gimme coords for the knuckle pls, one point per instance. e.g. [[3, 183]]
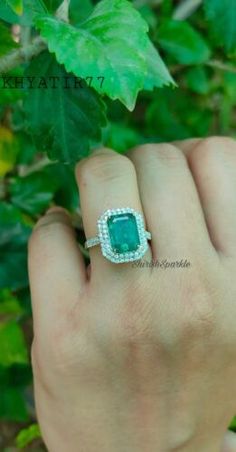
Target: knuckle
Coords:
[[34, 353], [170, 154], [37, 360], [212, 148], [143, 150], [105, 167], [218, 141], [52, 351], [45, 230], [164, 152], [41, 368]]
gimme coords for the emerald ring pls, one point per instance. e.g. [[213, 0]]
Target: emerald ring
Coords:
[[121, 235]]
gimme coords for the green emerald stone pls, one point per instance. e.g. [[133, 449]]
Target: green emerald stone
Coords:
[[123, 232]]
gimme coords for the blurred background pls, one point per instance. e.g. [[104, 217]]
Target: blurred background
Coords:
[[197, 41]]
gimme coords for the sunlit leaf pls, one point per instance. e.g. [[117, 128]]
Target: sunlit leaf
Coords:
[[27, 435], [112, 43]]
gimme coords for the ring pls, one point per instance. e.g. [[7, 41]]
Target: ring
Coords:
[[121, 234]]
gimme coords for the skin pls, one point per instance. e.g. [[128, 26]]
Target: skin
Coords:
[[130, 359]]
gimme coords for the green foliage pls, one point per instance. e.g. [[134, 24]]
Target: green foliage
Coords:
[[27, 435], [14, 234], [13, 348], [68, 112], [12, 405], [104, 47], [233, 424], [7, 14], [183, 43], [9, 304], [32, 193], [133, 47], [222, 18], [197, 80], [16, 6], [52, 5], [79, 11]]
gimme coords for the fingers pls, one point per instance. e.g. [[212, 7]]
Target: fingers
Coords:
[[106, 180], [187, 145], [170, 201], [229, 443], [213, 165], [56, 268]]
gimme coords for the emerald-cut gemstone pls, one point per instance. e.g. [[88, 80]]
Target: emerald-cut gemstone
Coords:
[[123, 232]]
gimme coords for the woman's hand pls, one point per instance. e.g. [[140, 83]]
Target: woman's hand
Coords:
[[138, 359]]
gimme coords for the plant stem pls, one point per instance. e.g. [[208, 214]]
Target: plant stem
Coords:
[[63, 11], [186, 9], [17, 57], [40, 164], [222, 66], [215, 64]]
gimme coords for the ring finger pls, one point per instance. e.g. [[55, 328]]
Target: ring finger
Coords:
[[106, 180]]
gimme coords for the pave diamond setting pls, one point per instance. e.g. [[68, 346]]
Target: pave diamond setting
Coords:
[[122, 235]]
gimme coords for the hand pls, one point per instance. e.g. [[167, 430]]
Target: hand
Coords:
[[131, 359]]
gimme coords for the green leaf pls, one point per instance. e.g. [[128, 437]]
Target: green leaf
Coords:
[[221, 15], [157, 73], [79, 11], [36, 7], [173, 115], [27, 435], [197, 80], [14, 234], [233, 424], [62, 120], [12, 405], [32, 193], [16, 6], [182, 42], [9, 304], [8, 95], [13, 347], [31, 9], [52, 5], [103, 46], [17, 375], [120, 137], [148, 14], [6, 42], [66, 194], [7, 14], [27, 149], [229, 86]]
